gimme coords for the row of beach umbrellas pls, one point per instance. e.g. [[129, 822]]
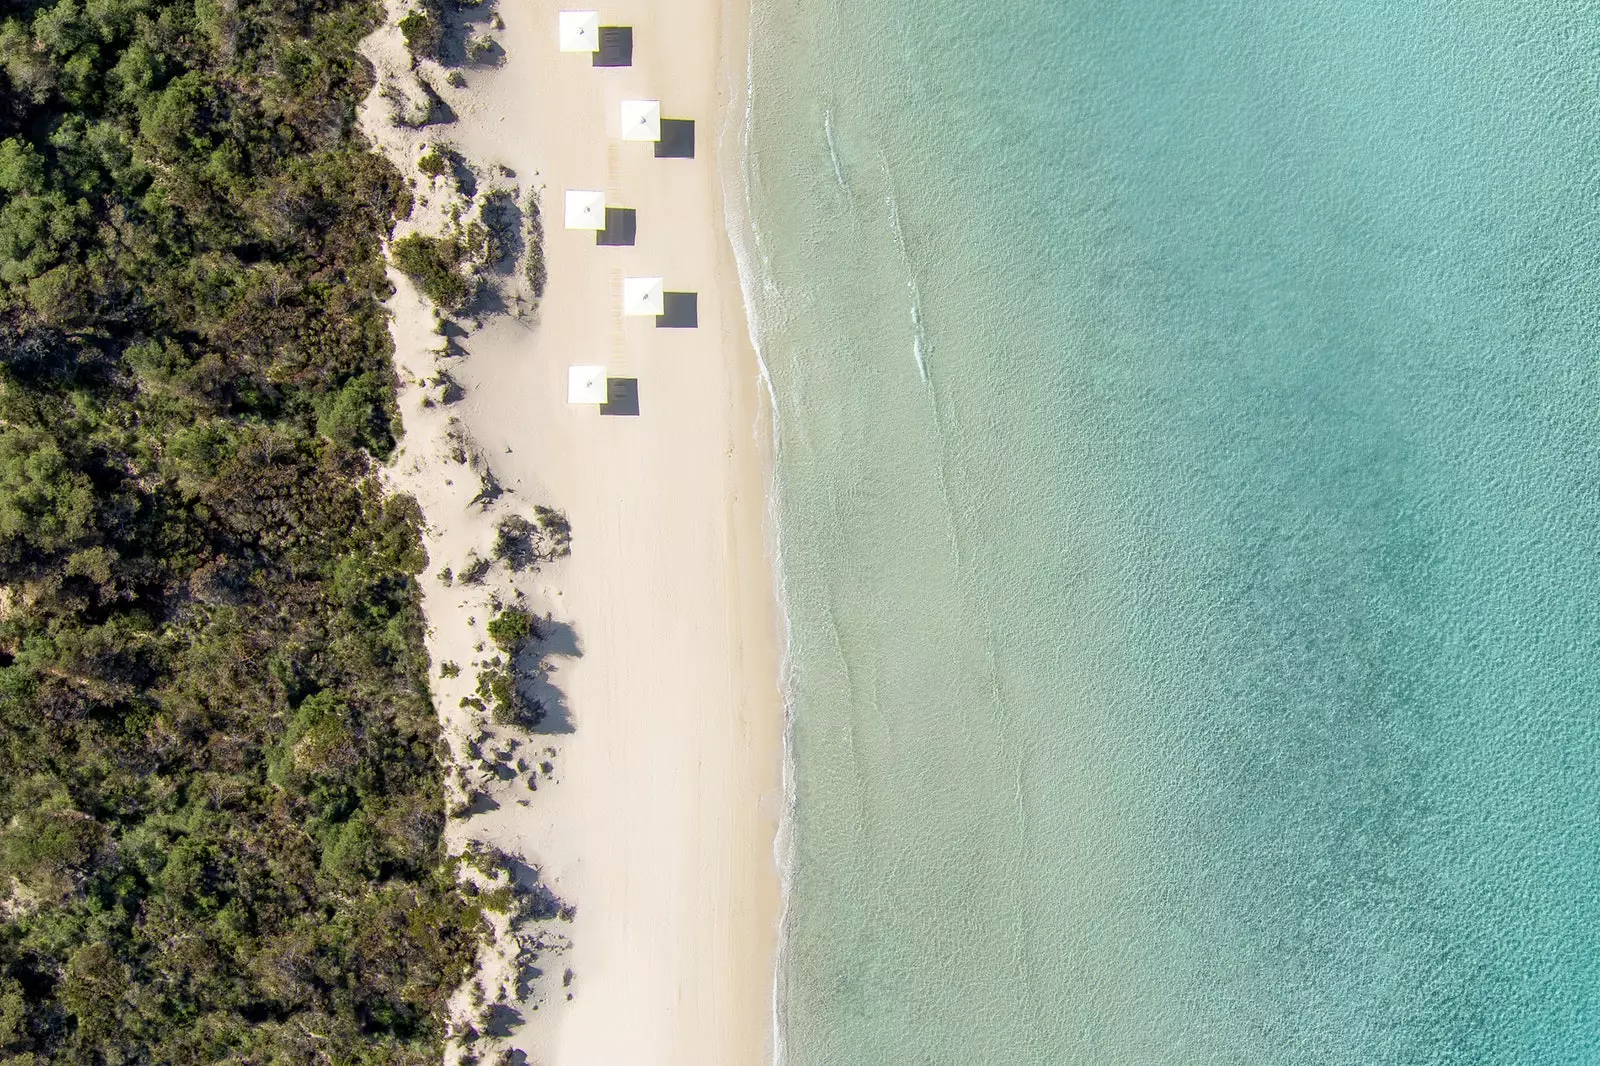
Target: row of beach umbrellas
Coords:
[[586, 209]]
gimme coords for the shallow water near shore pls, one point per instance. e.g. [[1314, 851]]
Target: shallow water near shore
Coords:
[[1188, 495]]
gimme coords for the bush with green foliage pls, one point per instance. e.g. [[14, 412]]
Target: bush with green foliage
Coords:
[[423, 30], [220, 800], [433, 163], [434, 265], [510, 628], [497, 686]]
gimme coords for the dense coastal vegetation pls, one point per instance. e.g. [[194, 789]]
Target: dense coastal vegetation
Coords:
[[220, 808]]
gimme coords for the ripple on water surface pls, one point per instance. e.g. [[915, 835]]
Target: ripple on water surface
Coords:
[[1188, 489]]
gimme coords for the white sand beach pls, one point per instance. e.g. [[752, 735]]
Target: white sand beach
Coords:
[[657, 816]]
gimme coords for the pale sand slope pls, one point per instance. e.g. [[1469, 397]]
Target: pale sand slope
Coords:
[[660, 823]]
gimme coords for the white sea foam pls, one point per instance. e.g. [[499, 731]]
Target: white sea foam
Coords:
[[919, 348], [833, 151], [1042, 835], [919, 342], [745, 237]]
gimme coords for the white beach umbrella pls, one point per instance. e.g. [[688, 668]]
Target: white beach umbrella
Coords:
[[643, 296], [586, 209], [579, 31], [586, 384], [641, 120]]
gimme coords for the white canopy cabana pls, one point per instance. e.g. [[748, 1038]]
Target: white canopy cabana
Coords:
[[586, 209], [579, 31], [641, 120], [643, 296], [586, 384]]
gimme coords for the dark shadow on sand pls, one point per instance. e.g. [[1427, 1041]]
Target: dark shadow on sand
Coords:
[[482, 803], [622, 228], [540, 903], [679, 310], [677, 139], [622, 397], [487, 301], [503, 1020], [463, 39], [440, 113], [551, 715], [616, 47]]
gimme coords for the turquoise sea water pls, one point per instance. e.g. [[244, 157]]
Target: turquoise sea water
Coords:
[[1190, 511]]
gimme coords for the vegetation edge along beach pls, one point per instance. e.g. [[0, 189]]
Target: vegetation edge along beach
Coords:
[[223, 783]]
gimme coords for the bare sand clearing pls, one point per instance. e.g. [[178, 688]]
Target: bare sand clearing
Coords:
[[657, 816]]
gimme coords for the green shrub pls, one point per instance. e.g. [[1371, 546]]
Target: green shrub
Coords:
[[358, 415], [423, 33], [497, 685], [433, 163], [502, 900], [432, 263], [49, 852], [510, 628]]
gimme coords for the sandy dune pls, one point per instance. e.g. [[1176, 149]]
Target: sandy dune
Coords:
[[658, 817]]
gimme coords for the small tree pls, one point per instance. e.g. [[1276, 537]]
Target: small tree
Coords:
[[510, 628]]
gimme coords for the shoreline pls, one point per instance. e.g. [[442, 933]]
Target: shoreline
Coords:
[[741, 244], [657, 785]]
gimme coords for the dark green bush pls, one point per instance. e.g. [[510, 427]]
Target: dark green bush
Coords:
[[433, 163], [219, 791], [423, 32], [497, 685], [433, 263], [510, 628]]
